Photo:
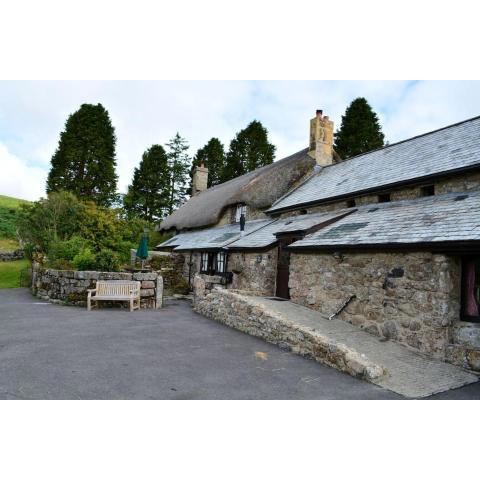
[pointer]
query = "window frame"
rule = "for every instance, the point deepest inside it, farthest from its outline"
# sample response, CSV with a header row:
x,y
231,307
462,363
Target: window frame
x,y
384,198
241,208
204,262
463,303
427,190
222,262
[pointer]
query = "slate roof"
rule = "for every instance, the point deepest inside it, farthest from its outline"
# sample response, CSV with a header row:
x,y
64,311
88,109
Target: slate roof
x,y
211,238
259,189
452,148
452,217
266,235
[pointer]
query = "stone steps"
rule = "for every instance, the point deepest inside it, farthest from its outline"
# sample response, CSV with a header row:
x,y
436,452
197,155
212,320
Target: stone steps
x,y
334,342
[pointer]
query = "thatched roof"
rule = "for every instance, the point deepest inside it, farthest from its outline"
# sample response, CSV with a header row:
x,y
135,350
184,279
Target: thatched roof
x,y
257,189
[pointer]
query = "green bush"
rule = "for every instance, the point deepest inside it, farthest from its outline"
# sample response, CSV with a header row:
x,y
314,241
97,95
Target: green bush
x,y
66,249
85,260
107,261
71,233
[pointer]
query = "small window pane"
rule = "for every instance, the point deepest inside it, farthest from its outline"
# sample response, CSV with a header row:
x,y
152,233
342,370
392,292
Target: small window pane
x,y
204,262
220,262
240,209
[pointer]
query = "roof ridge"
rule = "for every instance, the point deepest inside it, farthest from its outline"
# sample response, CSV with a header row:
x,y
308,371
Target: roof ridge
x,y
257,170
408,139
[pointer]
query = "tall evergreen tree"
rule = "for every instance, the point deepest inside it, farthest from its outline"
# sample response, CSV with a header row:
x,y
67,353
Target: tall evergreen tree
x,y
360,131
84,162
179,164
212,155
250,149
149,193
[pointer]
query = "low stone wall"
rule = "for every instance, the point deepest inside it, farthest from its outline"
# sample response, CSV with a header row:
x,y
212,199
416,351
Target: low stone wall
x,y
241,312
9,256
68,286
413,298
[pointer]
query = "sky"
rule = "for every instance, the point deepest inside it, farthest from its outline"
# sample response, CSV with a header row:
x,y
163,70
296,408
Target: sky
x,y
33,113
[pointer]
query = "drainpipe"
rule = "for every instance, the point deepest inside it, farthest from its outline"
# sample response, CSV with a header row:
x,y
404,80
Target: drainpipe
x,y
190,271
242,224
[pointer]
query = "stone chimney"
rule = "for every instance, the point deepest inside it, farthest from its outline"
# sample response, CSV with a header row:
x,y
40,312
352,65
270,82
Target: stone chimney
x,y
321,139
200,179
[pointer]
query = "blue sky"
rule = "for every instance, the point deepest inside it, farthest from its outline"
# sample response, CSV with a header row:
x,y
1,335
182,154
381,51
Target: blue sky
x,y
33,113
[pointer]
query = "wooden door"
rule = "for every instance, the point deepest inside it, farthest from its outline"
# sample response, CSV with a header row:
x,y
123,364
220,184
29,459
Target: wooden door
x,y
283,268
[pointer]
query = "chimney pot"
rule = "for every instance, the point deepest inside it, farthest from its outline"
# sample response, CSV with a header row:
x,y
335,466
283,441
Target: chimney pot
x,y
319,113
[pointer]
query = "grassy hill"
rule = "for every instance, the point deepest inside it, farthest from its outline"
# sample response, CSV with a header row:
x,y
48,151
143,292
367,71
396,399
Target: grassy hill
x,y
9,207
11,202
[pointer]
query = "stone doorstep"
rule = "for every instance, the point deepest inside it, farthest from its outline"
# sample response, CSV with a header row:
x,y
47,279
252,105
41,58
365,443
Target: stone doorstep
x,y
343,346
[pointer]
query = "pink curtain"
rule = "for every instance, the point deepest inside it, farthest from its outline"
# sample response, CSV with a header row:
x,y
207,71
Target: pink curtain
x,y
471,306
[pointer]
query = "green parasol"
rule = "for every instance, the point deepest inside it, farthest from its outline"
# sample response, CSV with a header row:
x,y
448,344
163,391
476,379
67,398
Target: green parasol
x,y
142,251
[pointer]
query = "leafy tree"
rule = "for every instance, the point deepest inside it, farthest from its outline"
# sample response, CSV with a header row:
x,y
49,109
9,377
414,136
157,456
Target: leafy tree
x,y
51,219
360,130
179,168
212,155
148,195
84,162
64,228
249,150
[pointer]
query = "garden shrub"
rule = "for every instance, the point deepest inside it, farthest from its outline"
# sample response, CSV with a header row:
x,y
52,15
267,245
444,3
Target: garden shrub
x,y
85,260
66,250
68,231
107,261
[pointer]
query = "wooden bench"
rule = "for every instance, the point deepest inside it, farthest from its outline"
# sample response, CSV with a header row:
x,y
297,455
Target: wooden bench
x,y
120,290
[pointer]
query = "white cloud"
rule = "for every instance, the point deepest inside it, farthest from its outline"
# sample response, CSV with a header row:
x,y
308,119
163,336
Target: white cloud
x,y
18,179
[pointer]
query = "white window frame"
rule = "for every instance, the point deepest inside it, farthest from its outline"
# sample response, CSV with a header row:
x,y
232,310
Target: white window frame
x,y
204,262
240,209
220,259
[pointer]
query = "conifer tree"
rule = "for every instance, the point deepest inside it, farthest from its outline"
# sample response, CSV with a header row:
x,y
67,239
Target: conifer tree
x,y
179,164
149,193
249,150
360,130
212,155
84,162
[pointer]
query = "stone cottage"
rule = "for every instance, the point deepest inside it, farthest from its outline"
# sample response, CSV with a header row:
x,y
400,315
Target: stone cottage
x,y
388,241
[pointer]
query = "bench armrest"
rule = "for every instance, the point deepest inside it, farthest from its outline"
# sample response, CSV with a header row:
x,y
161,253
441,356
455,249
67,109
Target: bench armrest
x,y
90,290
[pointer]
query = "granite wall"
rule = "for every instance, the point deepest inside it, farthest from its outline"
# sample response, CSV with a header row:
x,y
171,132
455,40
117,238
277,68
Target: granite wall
x,y
254,271
70,287
9,256
413,298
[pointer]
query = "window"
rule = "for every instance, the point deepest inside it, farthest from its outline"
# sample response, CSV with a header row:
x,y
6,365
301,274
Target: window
x,y
351,203
204,262
471,289
213,262
427,190
220,262
383,198
240,209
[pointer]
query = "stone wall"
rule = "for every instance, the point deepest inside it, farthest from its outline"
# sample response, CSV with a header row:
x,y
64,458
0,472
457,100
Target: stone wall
x,y
412,298
68,286
254,271
240,311
9,256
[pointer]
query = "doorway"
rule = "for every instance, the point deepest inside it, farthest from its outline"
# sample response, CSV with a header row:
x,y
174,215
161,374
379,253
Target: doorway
x,y
283,267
